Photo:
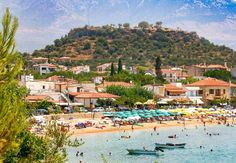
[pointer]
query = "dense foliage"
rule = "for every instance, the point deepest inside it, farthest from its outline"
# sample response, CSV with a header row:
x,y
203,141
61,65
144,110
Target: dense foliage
x,y
139,78
219,74
84,76
12,112
139,45
17,144
130,95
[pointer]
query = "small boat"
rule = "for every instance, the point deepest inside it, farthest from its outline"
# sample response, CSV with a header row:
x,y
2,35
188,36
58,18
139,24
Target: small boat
x,y
125,137
142,152
170,145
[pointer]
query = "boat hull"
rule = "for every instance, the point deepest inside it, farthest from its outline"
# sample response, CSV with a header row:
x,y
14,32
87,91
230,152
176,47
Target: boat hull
x,y
142,152
169,146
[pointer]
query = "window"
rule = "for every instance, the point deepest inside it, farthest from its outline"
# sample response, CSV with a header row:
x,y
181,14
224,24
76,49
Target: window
x,y
43,86
223,91
211,91
217,92
200,92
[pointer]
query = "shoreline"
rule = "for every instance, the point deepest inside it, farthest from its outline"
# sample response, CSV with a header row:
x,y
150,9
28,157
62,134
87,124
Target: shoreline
x,y
146,126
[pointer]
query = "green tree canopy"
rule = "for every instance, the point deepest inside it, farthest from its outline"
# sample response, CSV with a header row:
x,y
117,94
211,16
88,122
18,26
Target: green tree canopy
x,y
120,66
219,74
143,25
10,60
112,69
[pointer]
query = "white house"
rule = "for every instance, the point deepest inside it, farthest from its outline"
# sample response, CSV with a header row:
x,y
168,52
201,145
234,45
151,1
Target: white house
x,y
40,86
45,68
27,78
79,69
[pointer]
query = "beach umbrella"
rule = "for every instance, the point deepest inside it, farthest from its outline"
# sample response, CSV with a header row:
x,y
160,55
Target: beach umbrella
x,y
117,119
138,103
150,102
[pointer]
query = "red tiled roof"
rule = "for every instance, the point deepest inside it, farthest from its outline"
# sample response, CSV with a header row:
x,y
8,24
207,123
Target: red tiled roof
x,y
32,98
93,95
212,66
208,82
174,89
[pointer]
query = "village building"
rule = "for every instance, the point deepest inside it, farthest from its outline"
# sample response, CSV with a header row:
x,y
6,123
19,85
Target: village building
x,y
102,87
90,98
156,89
173,75
45,68
39,86
211,89
199,70
98,79
79,69
103,68
37,98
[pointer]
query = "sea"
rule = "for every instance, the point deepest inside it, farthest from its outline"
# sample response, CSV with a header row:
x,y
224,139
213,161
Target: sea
x,y
215,148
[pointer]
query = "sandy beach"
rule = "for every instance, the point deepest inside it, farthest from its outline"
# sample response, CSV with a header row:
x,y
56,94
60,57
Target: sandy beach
x,y
110,128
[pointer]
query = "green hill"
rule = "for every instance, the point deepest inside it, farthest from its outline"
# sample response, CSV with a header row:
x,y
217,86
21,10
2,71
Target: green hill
x,y
139,45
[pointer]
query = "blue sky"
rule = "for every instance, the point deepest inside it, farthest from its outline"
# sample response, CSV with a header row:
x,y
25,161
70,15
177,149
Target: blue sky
x,y
42,21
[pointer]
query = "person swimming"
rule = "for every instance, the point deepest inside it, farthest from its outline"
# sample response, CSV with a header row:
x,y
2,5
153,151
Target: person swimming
x,y
172,136
81,154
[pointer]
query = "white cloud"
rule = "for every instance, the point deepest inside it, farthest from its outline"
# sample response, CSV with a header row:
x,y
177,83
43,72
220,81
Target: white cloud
x,y
220,32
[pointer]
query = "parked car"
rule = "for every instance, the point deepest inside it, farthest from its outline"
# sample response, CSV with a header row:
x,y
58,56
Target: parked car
x,y
99,109
82,110
109,109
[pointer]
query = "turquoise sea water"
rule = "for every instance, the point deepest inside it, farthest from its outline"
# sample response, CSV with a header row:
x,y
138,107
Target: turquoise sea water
x,y
224,146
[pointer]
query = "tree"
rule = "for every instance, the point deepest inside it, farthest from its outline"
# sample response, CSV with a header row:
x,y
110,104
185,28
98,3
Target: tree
x,y
10,60
119,66
158,24
58,42
130,95
219,74
143,25
126,25
87,46
112,69
158,68
12,111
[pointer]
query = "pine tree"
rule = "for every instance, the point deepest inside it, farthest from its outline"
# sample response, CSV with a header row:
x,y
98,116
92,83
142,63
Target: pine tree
x,y
119,66
158,68
12,113
112,69
10,60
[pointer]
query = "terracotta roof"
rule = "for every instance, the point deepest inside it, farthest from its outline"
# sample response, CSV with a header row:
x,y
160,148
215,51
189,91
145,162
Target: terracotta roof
x,y
51,66
93,95
212,66
123,84
166,70
178,73
174,89
208,82
34,98
61,79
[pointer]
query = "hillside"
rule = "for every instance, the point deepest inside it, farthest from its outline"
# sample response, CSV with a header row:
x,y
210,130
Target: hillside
x,y
139,45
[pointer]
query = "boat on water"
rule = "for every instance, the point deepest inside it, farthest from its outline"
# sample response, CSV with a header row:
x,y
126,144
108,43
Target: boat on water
x,y
170,145
142,152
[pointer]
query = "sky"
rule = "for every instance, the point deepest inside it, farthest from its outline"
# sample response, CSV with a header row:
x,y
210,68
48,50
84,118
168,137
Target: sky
x,y
43,21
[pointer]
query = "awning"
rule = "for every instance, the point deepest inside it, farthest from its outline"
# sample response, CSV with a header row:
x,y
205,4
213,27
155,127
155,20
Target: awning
x,y
197,101
70,104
